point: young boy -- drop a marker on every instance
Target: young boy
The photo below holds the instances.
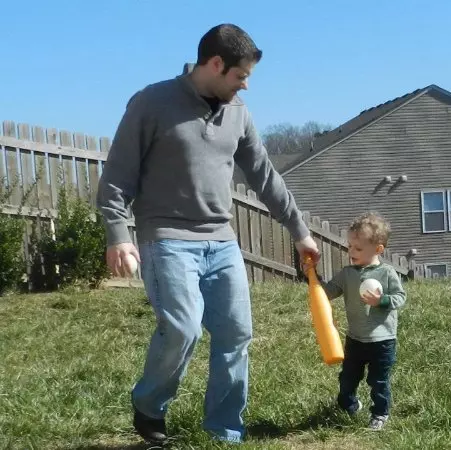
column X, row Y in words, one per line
column 372, row 318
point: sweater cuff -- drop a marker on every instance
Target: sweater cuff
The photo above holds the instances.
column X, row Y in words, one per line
column 385, row 301
column 117, row 233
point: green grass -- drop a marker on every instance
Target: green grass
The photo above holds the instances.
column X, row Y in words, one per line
column 69, row 360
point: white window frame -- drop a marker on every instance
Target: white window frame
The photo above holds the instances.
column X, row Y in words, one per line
column 448, row 194
column 446, row 214
column 428, row 265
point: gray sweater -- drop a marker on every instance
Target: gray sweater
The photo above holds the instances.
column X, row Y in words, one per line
column 369, row 323
column 175, row 159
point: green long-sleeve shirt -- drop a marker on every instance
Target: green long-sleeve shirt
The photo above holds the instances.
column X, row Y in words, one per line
column 369, row 323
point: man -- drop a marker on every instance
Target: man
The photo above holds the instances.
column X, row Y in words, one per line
column 173, row 154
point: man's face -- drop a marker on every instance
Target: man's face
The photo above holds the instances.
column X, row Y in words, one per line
column 226, row 86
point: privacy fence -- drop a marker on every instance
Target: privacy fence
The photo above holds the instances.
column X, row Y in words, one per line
column 49, row 158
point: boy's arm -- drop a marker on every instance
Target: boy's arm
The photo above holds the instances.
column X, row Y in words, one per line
column 334, row 288
column 396, row 296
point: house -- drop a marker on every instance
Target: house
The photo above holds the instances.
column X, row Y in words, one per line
column 394, row 159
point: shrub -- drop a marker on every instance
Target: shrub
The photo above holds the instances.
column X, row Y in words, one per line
column 73, row 253
column 12, row 265
column 11, row 259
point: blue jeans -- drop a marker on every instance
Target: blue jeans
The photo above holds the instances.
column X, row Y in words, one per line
column 190, row 284
column 380, row 357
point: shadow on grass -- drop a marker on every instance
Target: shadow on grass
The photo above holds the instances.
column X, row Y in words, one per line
column 137, row 446
column 326, row 416
column 172, row 443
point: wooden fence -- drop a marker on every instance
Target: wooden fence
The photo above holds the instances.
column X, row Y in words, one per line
column 76, row 160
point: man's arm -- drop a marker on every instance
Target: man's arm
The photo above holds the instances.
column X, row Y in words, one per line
column 120, row 177
column 252, row 158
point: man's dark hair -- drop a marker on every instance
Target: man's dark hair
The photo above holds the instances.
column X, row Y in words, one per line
column 229, row 42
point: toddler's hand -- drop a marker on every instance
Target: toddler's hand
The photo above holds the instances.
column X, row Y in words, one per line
column 306, row 266
column 371, row 298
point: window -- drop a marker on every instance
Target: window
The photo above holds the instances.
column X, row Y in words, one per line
column 435, row 207
column 449, row 210
column 438, row 270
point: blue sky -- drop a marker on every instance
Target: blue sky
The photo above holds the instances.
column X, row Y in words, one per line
column 73, row 65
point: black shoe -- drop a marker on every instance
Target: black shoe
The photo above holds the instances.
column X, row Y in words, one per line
column 151, row 430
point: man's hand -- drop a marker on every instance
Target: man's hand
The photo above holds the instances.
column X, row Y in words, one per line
column 115, row 257
column 308, row 247
column 371, row 298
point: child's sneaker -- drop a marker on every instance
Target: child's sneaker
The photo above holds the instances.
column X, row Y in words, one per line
column 377, row 422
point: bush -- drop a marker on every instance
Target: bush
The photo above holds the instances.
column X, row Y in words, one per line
column 11, row 259
column 12, row 265
column 74, row 253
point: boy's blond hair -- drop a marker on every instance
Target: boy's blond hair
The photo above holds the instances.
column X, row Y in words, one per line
column 372, row 227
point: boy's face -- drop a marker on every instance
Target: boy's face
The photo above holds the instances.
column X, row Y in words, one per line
column 362, row 252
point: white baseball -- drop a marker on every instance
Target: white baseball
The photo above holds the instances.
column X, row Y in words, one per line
column 131, row 264
column 371, row 285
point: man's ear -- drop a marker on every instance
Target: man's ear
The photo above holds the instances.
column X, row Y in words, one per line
column 380, row 249
column 216, row 64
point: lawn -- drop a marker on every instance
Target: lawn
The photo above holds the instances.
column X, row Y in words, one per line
column 69, row 360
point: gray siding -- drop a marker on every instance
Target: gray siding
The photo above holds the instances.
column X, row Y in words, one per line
column 344, row 181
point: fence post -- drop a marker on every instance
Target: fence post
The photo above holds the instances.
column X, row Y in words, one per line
column 255, row 236
column 44, row 192
column 316, row 221
column 327, row 252
column 335, row 251
column 81, row 173
column 12, row 165
column 55, row 167
column 243, row 226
